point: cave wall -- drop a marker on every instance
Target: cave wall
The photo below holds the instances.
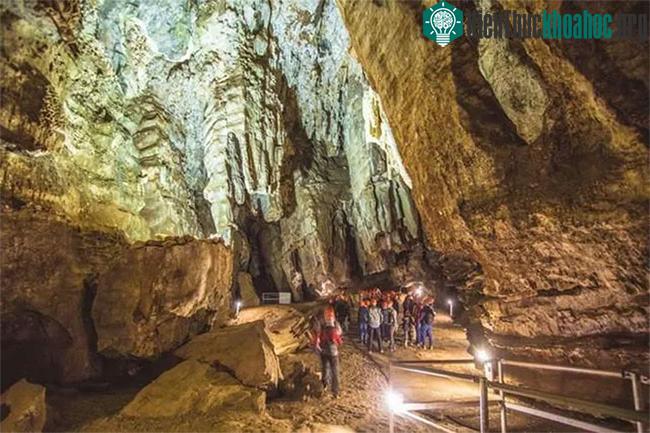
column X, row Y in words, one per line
column 166, row 149
column 529, row 172
column 175, row 118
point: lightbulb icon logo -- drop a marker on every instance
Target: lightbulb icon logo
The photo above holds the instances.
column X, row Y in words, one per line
column 442, row 23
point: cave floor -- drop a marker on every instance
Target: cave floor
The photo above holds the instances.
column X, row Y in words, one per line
column 361, row 406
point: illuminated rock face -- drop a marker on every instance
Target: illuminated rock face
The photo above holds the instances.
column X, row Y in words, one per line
column 319, row 156
column 529, row 172
column 245, row 121
column 237, row 119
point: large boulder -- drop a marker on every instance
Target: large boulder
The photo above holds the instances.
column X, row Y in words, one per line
column 194, row 386
column 245, row 350
column 159, row 294
column 26, row 405
column 286, row 326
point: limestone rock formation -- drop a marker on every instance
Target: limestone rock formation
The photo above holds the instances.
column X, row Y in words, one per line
column 245, row 350
column 48, row 283
column 193, row 387
column 248, row 295
column 159, row 294
column 286, row 327
column 25, row 404
column 323, row 142
column 531, row 183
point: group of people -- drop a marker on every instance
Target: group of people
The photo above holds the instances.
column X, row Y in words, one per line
column 380, row 315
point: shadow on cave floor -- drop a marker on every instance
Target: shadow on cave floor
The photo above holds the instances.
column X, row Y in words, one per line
column 72, row 409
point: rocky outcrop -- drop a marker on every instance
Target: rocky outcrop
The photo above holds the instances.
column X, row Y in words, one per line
column 193, row 387
column 68, row 293
column 529, row 182
column 286, row 327
column 48, row 284
column 161, row 293
column 245, row 350
column 247, row 294
column 238, row 126
column 25, row 406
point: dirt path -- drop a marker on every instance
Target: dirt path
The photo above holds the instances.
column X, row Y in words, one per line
column 361, row 405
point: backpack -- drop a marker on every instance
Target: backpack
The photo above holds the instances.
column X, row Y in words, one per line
column 428, row 315
column 364, row 315
column 389, row 317
column 328, row 346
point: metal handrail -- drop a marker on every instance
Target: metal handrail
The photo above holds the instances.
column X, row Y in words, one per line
column 435, row 361
column 585, row 406
column 555, row 367
column 440, row 373
column 636, row 416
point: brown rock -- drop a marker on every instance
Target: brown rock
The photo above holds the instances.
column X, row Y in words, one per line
column 286, row 326
column 26, row 405
column 511, row 130
column 194, row 386
column 159, row 294
column 245, row 350
column 249, row 297
column 47, row 270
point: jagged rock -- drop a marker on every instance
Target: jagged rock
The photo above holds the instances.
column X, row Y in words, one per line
column 300, row 382
column 245, row 350
column 287, row 327
column 247, row 291
column 159, row 294
column 25, row 403
column 194, row 387
column 579, row 281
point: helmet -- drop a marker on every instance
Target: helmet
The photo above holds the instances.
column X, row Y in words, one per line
column 329, row 314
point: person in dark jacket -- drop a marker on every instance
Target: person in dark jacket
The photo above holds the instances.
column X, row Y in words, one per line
column 427, row 316
column 389, row 322
column 364, row 318
column 374, row 325
column 342, row 310
column 326, row 342
column 408, row 322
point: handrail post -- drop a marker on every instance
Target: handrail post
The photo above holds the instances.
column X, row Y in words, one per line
column 391, row 420
column 504, row 422
column 637, row 398
column 484, row 415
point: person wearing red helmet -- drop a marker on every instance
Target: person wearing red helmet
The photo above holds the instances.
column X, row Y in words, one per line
column 327, row 339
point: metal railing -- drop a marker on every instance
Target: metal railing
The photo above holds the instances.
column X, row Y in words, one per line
column 504, row 390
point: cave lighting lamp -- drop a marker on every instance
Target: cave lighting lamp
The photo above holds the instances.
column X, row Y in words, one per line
column 482, row 355
column 395, row 401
